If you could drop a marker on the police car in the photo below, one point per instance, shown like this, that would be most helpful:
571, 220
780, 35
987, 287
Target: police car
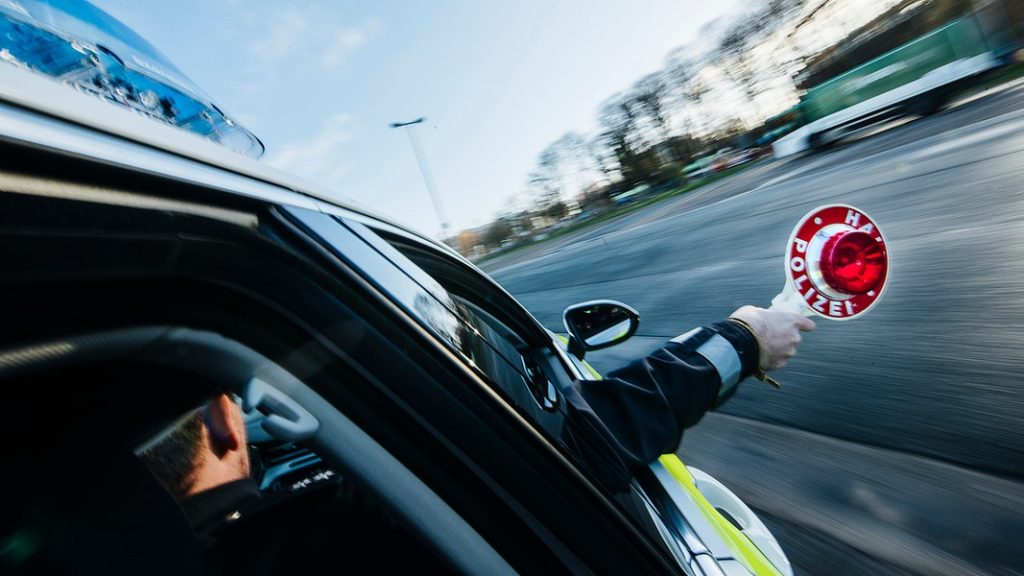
402, 410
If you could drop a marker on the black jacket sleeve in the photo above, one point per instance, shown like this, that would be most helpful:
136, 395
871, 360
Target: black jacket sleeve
639, 411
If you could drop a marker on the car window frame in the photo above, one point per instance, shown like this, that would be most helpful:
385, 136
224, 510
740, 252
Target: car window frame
461, 277
408, 284
196, 239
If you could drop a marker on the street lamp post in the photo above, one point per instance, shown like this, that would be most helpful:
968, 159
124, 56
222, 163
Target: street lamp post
428, 179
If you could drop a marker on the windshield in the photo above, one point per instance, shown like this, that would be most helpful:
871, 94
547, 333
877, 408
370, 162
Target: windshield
685, 158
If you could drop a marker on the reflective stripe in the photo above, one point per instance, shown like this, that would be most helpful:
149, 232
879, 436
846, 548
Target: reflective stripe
723, 357
682, 489
726, 361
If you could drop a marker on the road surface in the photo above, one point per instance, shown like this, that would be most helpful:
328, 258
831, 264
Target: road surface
896, 445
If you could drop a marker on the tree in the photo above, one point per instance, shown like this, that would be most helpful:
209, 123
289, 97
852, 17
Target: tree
651, 94
555, 210
734, 59
744, 32
497, 231
620, 134
603, 157
682, 74
546, 179
576, 164
653, 97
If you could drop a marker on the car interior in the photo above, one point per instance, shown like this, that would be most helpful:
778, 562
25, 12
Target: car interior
79, 500
133, 310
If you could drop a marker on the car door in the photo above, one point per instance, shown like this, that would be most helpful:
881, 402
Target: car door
520, 368
101, 232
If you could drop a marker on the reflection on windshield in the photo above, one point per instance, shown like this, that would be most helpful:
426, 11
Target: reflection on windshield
440, 320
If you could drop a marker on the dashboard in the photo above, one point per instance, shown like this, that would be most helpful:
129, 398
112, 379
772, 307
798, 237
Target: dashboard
283, 468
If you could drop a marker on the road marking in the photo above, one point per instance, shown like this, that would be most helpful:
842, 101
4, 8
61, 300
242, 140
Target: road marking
790, 175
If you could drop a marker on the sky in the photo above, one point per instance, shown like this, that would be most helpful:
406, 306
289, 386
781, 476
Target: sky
496, 80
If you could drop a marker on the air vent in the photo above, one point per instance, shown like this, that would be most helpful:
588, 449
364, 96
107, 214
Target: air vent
282, 460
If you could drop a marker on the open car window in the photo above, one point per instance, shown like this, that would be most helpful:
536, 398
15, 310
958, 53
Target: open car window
80, 498
484, 343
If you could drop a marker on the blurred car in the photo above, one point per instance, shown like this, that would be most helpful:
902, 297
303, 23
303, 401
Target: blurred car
403, 410
700, 168
743, 156
631, 195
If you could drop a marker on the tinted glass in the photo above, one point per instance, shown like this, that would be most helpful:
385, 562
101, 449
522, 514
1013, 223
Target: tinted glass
481, 341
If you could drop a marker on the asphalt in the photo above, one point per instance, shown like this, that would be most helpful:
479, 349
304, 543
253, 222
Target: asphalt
896, 443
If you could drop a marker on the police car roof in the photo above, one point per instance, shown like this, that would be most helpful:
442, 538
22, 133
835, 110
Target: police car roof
41, 111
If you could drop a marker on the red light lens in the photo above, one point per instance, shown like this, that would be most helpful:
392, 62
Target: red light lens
853, 262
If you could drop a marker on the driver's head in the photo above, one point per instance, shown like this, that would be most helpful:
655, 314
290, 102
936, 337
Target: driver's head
205, 450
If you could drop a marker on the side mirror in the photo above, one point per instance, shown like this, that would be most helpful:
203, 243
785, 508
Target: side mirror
598, 324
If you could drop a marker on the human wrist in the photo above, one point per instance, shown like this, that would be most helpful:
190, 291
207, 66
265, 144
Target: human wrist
744, 340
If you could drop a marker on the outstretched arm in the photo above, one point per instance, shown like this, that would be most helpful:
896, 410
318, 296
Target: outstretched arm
643, 407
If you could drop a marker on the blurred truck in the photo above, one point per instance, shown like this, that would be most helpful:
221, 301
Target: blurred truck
915, 78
